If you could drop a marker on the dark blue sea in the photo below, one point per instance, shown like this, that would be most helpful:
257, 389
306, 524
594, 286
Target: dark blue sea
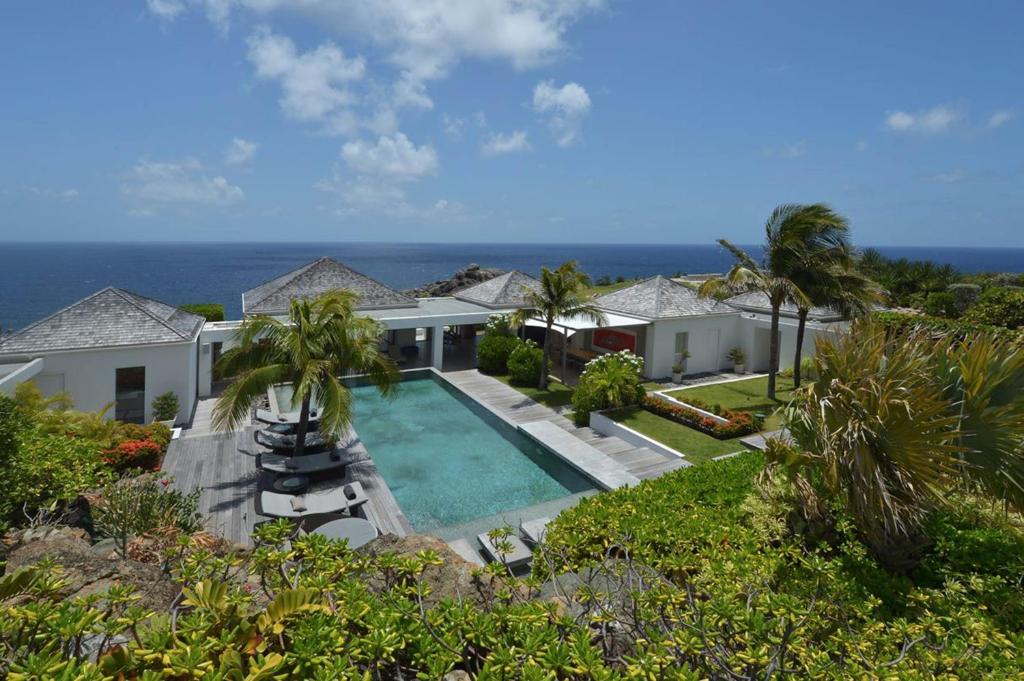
39, 278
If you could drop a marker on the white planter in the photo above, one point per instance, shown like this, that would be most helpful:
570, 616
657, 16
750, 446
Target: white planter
169, 423
677, 377
740, 369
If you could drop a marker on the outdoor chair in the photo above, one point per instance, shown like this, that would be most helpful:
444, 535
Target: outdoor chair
315, 441
322, 462
341, 499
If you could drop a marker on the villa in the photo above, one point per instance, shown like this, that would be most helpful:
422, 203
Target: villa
122, 348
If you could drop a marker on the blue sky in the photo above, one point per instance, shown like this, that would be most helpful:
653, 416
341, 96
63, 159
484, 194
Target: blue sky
509, 120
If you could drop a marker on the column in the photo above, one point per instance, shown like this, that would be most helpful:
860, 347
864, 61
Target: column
437, 347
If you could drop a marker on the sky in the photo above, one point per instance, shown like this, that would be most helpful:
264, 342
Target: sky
607, 121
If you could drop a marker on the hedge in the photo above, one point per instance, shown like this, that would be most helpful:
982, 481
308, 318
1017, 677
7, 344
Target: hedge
902, 322
213, 312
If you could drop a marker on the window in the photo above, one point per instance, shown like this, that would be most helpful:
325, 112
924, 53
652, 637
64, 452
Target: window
130, 395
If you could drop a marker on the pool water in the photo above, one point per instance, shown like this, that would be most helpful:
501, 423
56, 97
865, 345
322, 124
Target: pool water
448, 460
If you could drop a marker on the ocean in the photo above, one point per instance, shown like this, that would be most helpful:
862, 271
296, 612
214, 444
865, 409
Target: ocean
37, 279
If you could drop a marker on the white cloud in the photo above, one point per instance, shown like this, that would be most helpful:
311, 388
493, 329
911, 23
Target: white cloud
932, 121
178, 182
314, 84
240, 151
51, 193
500, 143
1000, 118
862, 145
166, 9
566, 107
794, 150
394, 157
949, 177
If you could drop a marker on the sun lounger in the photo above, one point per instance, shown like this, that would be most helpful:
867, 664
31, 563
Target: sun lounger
315, 441
289, 419
518, 556
348, 497
533, 531
313, 464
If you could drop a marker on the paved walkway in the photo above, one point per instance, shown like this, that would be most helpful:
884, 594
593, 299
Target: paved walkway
516, 408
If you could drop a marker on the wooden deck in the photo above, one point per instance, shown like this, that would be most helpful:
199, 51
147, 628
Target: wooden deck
516, 408
223, 467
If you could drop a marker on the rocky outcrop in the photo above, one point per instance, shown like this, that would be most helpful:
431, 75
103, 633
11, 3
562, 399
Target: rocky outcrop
464, 278
87, 568
453, 579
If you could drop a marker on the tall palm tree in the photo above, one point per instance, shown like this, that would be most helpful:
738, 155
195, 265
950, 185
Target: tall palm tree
790, 231
829, 277
562, 294
321, 341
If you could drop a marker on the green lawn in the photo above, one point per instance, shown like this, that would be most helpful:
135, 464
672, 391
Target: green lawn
557, 395
697, 446
608, 288
747, 395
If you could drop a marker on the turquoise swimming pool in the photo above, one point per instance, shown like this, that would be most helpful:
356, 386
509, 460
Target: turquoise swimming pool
448, 460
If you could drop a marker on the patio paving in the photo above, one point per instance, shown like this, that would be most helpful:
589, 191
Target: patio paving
223, 467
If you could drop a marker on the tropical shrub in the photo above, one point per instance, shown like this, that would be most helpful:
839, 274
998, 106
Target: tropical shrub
165, 406
900, 324
154, 432
964, 295
524, 363
892, 428
608, 381
11, 421
998, 306
46, 468
738, 423
213, 312
493, 351
940, 304
134, 454
736, 595
132, 507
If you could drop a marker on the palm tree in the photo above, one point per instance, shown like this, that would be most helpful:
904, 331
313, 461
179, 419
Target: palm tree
562, 294
321, 341
829, 277
791, 232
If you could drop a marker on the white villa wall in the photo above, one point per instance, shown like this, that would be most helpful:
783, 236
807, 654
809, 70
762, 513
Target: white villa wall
749, 339
706, 353
89, 375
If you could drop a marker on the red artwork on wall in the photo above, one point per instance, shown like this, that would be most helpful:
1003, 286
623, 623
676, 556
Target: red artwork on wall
610, 339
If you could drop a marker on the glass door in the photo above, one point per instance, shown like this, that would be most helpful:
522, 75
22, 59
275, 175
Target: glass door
130, 395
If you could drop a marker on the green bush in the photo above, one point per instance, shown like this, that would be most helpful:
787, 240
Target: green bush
493, 352
11, 422
131, 507
213, 312
524, 364
738, 582
165, 406
45, 468
607, 382
941, 304
739, 423
998, 306
901, 323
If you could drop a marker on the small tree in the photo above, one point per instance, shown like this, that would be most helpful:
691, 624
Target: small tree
165, 406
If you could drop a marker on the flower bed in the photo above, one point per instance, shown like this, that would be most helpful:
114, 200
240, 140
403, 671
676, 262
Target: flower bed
737, 423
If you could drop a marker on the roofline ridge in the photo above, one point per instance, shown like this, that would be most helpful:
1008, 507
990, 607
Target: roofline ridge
294, 273
130, 298
54, 314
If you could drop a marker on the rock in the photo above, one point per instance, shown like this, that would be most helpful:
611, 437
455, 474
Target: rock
87, 573
452, 579
464, 278
457, 675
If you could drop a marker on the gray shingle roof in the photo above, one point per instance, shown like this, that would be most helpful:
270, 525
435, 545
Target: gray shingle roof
111, 317
660, 298
505, 290
755, 301
316, 278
